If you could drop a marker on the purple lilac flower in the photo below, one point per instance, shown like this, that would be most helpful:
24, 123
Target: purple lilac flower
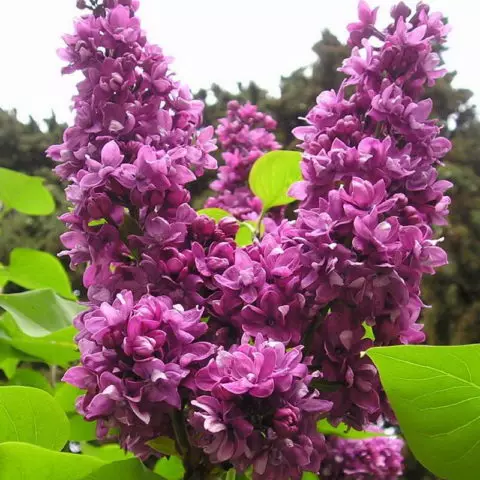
258, 410
136, 357
245, 134
376, 458
134, 146
369, 199
354, 257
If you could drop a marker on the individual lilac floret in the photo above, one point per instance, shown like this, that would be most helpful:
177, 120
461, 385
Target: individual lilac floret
245, 134
259, 411
376, 458
136, 358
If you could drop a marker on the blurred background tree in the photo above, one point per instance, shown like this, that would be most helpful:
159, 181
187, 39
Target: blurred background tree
454, 292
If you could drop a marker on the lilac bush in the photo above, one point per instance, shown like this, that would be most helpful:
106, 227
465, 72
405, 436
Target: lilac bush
377, 457
244, 135
236, 352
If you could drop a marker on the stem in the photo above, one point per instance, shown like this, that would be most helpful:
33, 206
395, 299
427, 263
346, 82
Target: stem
258, 228
309, 336
178, 423
53, 375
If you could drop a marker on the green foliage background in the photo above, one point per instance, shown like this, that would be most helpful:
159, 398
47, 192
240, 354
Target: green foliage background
453, 293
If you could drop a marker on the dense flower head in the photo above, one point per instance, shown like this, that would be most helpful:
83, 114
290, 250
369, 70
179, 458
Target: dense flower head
136, 358
377, 458
134, 146
244, 135
370, 196
258, 410
181, 322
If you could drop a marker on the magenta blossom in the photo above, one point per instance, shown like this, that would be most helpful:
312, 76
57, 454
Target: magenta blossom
259, 411
136, 357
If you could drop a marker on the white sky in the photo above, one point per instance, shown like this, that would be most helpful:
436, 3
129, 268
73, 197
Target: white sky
221, 41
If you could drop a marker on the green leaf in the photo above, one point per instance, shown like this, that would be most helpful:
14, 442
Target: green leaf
368, 331
342, 430
309, 476
131, 469
40, 312
24, 193
108, 453
81, 430
96, 223
273, 174
245, 235
65, 395
31, 378
435, 394
22, 461
214, 213
9, 358
32, 269
231, 474
4, 277
164, 445
57, 348
32, 415
170, 468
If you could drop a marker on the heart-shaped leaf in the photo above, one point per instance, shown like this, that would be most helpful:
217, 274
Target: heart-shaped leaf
32, 269
435, 394
24, 193
272, 175
170, 468
215, 213
40, 312
31, 415
23, 461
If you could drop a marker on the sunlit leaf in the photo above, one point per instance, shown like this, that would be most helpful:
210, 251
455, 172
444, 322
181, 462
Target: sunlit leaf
435, 394
131, 469
273, 174
24, 193
214, 213
40, 312
4, 276
108, 453
65, 395
24, 461
170, 468
342, 430
9, 358
57, 348
80, 429
32, 415
31, 378
33, 269
245, 235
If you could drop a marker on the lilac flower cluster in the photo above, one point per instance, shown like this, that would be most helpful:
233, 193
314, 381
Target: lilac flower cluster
134, 146
245, 134
185, 327
132, 149
378, 458
137, 357
258, 411
369, 198
153, 265
363, 238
